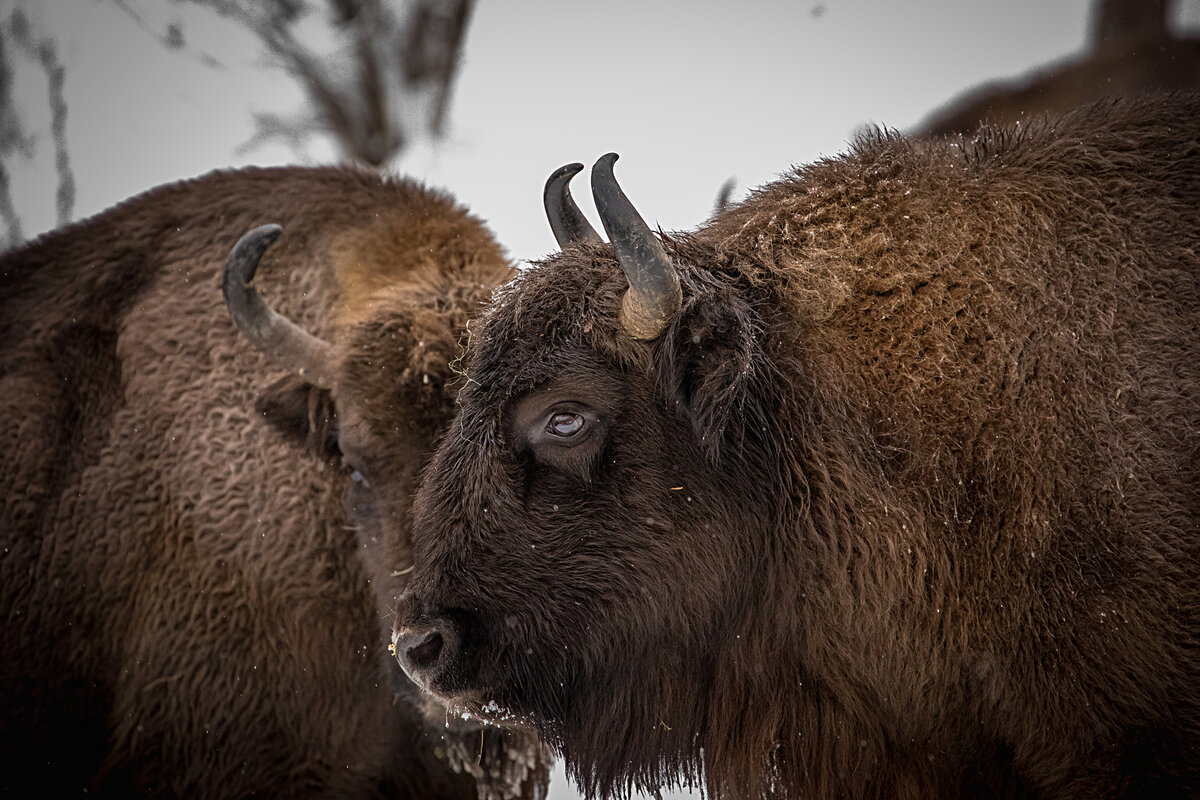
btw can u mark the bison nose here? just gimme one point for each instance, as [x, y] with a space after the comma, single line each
[427, 651]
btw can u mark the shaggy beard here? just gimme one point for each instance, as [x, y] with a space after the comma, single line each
[626, 727]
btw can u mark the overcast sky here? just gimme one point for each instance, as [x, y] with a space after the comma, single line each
[690, 94]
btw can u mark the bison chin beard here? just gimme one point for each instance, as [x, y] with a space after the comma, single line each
[624, 725]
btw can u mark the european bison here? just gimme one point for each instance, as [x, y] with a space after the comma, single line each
[1131, 51]
[884, 483]
[191, 586]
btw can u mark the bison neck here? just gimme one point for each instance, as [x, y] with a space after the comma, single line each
[812, 692]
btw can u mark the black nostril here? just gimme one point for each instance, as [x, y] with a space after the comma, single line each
[425, 652]
[427, 649]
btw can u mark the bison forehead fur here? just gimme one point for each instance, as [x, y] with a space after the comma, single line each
[903, 501]
[194, 591]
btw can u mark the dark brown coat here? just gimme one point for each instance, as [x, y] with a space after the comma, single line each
[903, 502]
[187, 593]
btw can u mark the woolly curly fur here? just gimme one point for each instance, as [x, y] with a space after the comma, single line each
[190, 605]
[903, 503]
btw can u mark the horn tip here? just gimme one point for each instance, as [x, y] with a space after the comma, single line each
[606, 161]
[562, 175]
[261, 237]
[571, 169]
[245, 255]
[602, 170]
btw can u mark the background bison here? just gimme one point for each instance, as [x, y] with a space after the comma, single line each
[188, 581]
[884, 483]
[1131, 50]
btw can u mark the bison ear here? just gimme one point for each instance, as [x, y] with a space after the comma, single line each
[712, 368]
[303, 412]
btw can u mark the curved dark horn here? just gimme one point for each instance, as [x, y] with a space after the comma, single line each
[566, 220]
[654, 295]
[278, 337]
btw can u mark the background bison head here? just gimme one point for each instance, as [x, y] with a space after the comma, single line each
[374, 398]
[847, 503]
[376, 395]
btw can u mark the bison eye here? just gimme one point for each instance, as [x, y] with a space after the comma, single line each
[357, 477]
[557, 430]
[565, 424]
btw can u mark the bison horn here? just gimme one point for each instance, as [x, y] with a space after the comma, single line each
[276, 336]
[654, 295]
[566, 220]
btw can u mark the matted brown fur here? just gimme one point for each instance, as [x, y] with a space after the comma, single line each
[187, 592]
[904, 503]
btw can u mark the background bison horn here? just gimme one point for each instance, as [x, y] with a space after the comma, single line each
[654, 295]
[279, 338]
[566, 220]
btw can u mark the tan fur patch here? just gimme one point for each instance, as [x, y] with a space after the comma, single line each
[417, 244]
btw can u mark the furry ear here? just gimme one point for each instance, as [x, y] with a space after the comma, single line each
[711, 363]
[302, 412]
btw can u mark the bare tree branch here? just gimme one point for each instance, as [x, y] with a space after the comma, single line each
[388, 82]
[171, 38]
[8, 213]
[435, 39]
[42, 49]
[18, 36]
[57, 74]
[293, 131]
[12, 139]
[724, 196]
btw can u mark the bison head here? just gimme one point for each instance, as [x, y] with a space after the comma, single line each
[372, 399]
[575, 564]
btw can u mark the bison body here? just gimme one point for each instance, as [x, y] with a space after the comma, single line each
[192, 599]
[892, 489]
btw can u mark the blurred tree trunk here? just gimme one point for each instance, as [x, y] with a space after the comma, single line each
[19, 38]
[377, 76]
[386, 82]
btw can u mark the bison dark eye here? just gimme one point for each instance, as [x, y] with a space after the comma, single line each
[357, 477]
[558, 430]
[565, 424]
